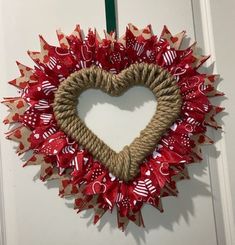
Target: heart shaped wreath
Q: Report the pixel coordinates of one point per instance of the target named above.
(66, 149)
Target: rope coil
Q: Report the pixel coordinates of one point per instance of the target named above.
(125, 164)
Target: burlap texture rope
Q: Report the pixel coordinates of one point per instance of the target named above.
(125, 164)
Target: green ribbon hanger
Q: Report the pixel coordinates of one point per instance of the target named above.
(110, 11)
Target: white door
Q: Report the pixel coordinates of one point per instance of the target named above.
(32, 213)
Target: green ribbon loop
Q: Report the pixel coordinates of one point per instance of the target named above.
(110, 11)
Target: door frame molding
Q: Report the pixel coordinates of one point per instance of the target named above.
(219, 170)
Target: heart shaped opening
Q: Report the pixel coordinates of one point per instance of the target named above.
(117, 120)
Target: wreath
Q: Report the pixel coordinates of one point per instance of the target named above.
(88, 169)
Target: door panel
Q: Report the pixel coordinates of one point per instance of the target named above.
(33, 212)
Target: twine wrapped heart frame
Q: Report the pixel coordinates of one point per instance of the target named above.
(98, 177)
(125, 164)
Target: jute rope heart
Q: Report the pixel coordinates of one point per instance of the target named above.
(125, 164)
